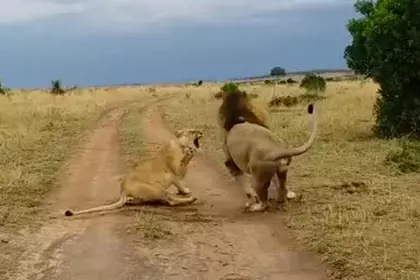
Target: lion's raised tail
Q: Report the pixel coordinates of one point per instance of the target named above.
(279, 154)
(120, 203)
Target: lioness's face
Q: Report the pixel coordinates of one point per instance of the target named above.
(185, 135)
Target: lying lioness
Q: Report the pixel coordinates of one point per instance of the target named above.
(150, 180)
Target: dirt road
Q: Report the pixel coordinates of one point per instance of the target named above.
(211, 239)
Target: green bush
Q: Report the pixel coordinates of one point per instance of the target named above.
(407, 159)
(386, 48)
(3, 90)
(284, 100)
(312, 82)
(230, 88)
(56, 87)
(289, 100)
(291, 81)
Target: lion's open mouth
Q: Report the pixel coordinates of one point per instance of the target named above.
(196, 143)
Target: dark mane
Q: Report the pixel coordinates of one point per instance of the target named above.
(236, 109)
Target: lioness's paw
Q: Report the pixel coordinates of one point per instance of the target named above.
(184, 191)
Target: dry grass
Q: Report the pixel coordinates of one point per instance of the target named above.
(131, 136)
(360, 214)
(37, 133)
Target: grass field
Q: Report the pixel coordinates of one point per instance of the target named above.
(359, 213)
(38, 131)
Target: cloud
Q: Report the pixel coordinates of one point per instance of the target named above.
(148, 14)
(18, 11)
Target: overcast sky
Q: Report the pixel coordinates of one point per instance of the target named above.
(95, 42)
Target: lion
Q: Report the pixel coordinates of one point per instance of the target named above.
(238, 107)
(251, 148)
(150, 180)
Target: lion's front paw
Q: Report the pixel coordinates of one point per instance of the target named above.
(184, 191)
(257, 207)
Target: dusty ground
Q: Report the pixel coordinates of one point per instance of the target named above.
(359, 213)
(210, 240)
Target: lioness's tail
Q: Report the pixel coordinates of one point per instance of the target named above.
(279, 154)
(120, 203)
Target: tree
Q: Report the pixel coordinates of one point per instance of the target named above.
(277, 71)
(386, 47)
(3, 90)
(56, 87)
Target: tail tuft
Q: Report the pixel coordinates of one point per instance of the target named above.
(310, 108)
(68, 213)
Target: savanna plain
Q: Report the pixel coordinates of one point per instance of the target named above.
(358, 212)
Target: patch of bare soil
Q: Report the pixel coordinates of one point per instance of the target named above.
(84, 248)
(224, 243)
(211, 239)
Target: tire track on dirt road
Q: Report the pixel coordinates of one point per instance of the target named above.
(215, 246)
(86, 247)
(254, 246)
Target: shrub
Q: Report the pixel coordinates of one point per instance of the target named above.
(312, 82)
(199, 83)
(228, 88)
(289, 101)
(3, 90)
(291, 81)
(386, 48)
(283, 100)
(151, 89)
(56, 87)
(407, 159)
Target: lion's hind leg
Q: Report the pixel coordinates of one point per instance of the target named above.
(283, 192)
(262, 172)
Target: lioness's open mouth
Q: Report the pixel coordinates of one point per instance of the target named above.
(196, 143)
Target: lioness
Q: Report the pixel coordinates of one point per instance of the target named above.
(150, 180)
(238, 107)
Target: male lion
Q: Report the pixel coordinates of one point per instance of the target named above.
(251, 148)
(150, 180)
(236, 108)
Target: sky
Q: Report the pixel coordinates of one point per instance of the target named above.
(104, 42)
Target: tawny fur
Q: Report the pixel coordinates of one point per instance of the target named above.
(237, 108)
(256, 151)
(150, 180)
(251, 148)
